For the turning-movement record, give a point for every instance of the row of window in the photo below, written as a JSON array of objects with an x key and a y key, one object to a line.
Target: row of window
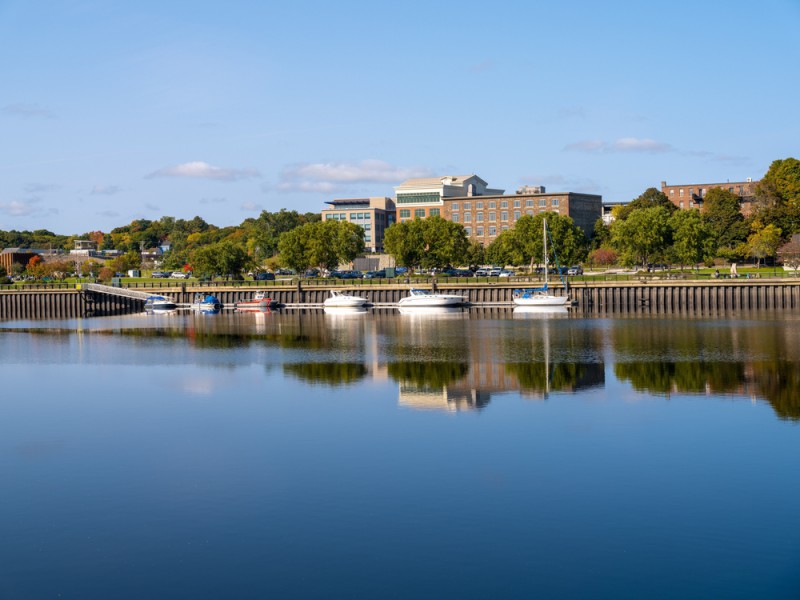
[
  {"x": 419, "y": 213},
  {"x": 702, "y": 191},
  {"x": 529, "y": 203},
  {"x": 480, "y": 231},
  {"x": 492, "y": 216}
]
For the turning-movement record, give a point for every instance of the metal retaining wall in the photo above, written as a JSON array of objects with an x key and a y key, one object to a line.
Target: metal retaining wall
[{"x": 590, "y": 297}]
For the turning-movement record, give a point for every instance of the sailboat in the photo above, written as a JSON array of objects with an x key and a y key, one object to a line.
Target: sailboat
[{"x": 540, "y": 296}]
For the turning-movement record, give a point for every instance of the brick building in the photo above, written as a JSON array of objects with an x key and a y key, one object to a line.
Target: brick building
[
  {"x": 691, "y": 195},
  {"x": 486, "y": 217}
]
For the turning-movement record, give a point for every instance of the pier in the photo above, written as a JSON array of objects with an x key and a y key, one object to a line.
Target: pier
[{"x": 589, "y": 297}]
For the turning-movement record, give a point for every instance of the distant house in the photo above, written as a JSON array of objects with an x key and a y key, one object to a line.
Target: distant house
[
  {"x": 85, "y": 248},
  {"x": 21, "y": 256},
  {"x": 692, "y": 195}
]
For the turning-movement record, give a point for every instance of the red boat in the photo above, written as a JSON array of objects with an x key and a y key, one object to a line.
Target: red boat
[{"x": 259, "y": 301}]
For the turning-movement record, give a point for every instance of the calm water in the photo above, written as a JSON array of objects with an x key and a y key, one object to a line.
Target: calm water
[{"x": 466, "y": 455}]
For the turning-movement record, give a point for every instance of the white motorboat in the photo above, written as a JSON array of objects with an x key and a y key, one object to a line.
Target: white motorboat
[
  {"x": 339, "y": 299},
  {"x": 417, "y": 297},
  {"x": 540, "y": 296},
  {"x": 157, "y": 302}
]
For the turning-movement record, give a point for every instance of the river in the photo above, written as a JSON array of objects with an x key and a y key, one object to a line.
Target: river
[{"x": 474, "y": 454}]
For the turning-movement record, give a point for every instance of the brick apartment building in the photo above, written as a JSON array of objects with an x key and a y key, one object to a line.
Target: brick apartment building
[{"x": 691, "y": 195}]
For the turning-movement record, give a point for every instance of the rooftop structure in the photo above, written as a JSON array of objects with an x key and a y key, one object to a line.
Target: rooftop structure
[{"x": 424, "y": 197}]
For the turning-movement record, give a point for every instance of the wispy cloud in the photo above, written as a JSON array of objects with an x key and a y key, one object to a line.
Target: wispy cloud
[
  {"x": 626, "y": 144},
  {"x": 27, "y": 111},
  {"x": 332, "y": 177},
  {"x": 251, "y": 207},
  {"x": 564, "y": 183},
  {"x": 105, "y": 190},
  {"x": 203, "y": 170},
  {"x": 40, "y": 188},
  {"x": 486, "y": 65}
]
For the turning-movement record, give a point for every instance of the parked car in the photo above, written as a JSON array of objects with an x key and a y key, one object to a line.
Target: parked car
[
  {"x": 401, "y": 270},
  {"x": 375, "y": 274},
  {"x": 576, "y": 270},
  {"x": 507, "y": 273},
  {"x": 264, "y": 276},
  {"x": 311, "y": 273},
  {"x": 159, "y": 274},
  {"x": 482, "y": 273},
  {"x": 284, "y": 272},
  {"x": 495, "y": 272},
  {"x": 180, "y": 275}
]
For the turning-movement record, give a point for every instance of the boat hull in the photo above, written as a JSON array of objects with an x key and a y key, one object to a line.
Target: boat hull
[
  {"x": 345, "y": 302},
  {"x": 541, "y": 300},
  {"x": 430, "y": 301}
]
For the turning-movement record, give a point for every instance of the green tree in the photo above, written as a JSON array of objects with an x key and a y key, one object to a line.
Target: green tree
[
  {"x": 566, "y": 242},
  {"x": 723, "y": 218},
  {"x": 643, "y": 235},
  {"x": 126, "y": 262},
  {"x": 602, "y": 234},
  {"x": 476, "y": 254},
  {"x": 778, "y": 196},
  {"x": 223, "y": 258},
  {"x": 690, "y": 237},
  {"x": 323, "y": 244},
  {"x": 504, "y": 250},
  {"x": 444, "y": 243},
  {"x": 650, "y": 198},
  {"x": 404, "y": 242}
]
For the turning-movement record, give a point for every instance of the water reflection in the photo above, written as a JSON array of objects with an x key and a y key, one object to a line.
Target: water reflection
[{"x": 456, "y": 360}]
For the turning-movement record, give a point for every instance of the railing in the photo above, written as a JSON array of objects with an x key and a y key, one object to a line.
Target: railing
[{"x": 421, "y": 280}]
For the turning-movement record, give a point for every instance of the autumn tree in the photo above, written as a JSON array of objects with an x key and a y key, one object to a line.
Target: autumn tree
[{"x": 764, "y": 242}]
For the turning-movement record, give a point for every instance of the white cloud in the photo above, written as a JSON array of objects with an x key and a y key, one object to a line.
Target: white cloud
[
  {"x": 27, "y": 111},
  {"x": 20, "y": 208},
  {"x": 203, "y": 170},
  {"x": 627, "y": 144},
  {"x": 332, "y": 177},
  {"x": 104, "y": 190},
  {"x": 251, "y": 207}
]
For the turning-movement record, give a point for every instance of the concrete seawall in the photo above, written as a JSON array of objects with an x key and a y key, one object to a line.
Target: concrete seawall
[{"x": 650, "y": 296}]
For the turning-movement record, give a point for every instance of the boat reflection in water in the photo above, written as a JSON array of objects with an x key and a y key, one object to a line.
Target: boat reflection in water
[
  {"x": 432, "y": 311},
  {"x": 344, "y": 311},
  {"x": 540, "y": 312}
]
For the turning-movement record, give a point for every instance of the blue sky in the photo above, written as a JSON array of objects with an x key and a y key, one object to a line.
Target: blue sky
[{"x": 113, "y": 111}]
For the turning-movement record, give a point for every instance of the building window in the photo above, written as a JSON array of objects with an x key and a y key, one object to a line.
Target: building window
[
  {"x": 419, "y": 213},
  {"x": 479, "y": 205},
  {"x": 492, "y": 204},
  {"x": 542, "y": 202},
  {"x": 467, "y": 217},
  {"x": 681, "y": 203},
  {"x": 423, "y": 198},
  {"x": 367, "y": 226},
  {"x": 702, "y": 192},
  {"x": 405, "y": 213},
  {"x": 493, "y": 216},
  {"x": 468, "y": 230},
  {"x": 555, "y": 202},
  {"x": 492, "y": 230},
  {"x": 517, "y": 203},
  {"x": 529, "y": 213},
  {"x": 741, "y": 190},
  {"x": 504, "y": 216},
  {"x": 691, "y": 191},
  {"x": 434, "y": 212},
  {"x": 367, "y": 238},
  {"x": 730, "y": 189},
  {"x": 343, "y": 216},
  {"x": 467, "y": 205},
  {"x": 517, "y": 215},
  {"x": 454, "y": 206},
  {"x": 529, "y": 203},
  {"x": 479, "y": 217},
  {"x": 479, "y": 231},
  {"x": 505, "y": 227},
  {"x": 672, "y": 192},
  {"x": 504, "y": 204},
  {"x": 680, "y": 192},
  {"x": 455, "y": 218}
]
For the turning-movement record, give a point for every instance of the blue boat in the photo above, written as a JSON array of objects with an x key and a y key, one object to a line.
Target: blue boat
[{"x": 208, "y": 303}]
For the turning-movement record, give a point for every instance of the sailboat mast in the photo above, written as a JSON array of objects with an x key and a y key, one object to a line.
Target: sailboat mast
[{"x": 544, "y": 232}]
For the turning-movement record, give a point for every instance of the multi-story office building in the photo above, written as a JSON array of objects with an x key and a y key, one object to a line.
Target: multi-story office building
[
  {"x": 486, "y": 217},
  {"x": 420, "y": 198},
  {"x": 374, "y": 215},
  {"x": 691, "y": 195}
]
